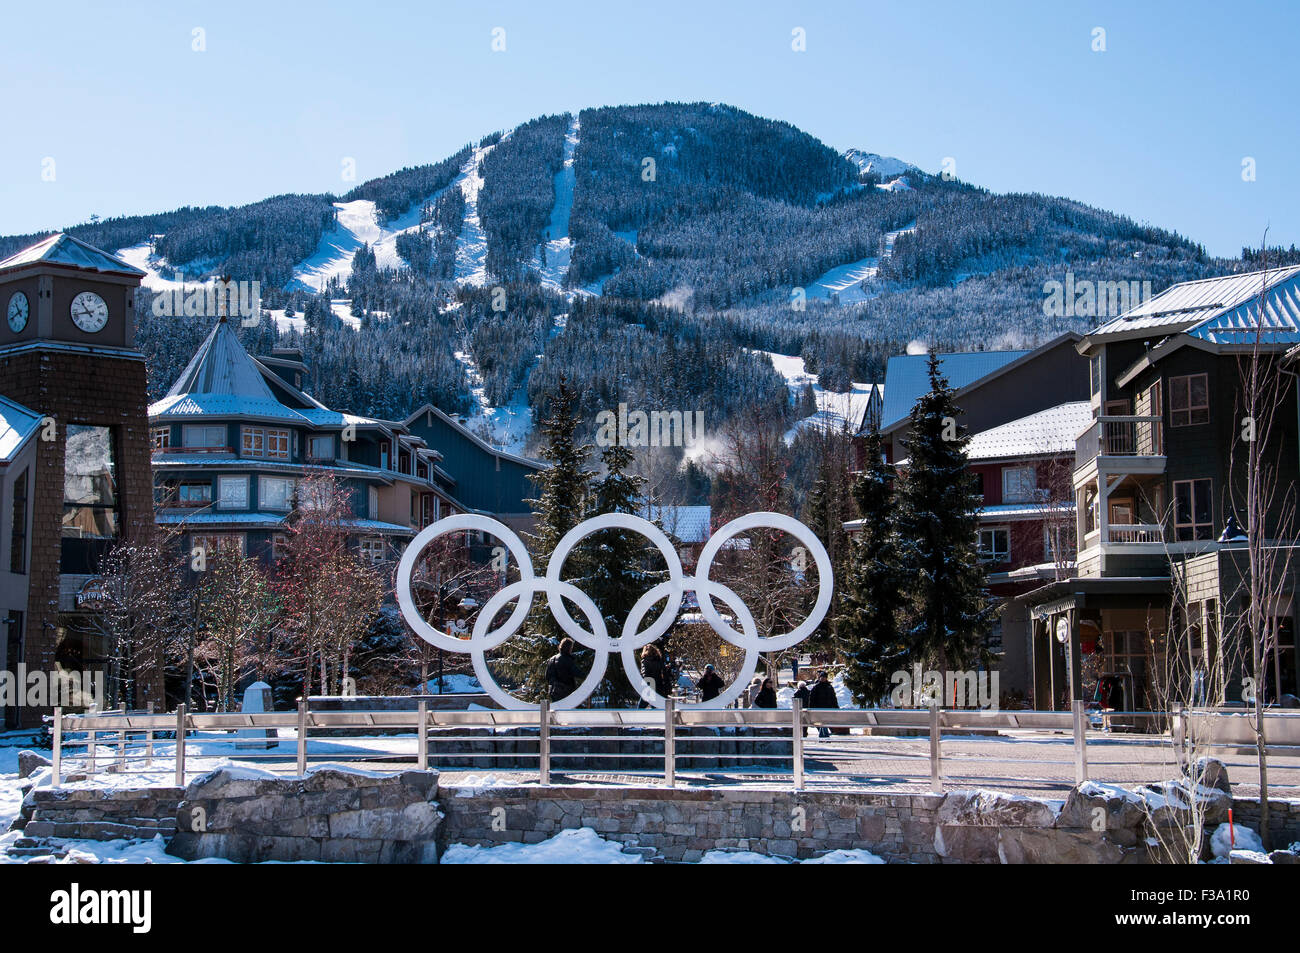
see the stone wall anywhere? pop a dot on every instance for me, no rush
(329, 815)
(681, 824)
(1283, 818)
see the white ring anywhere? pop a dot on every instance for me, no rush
(452, 524)
(786, 524)
(615, 521)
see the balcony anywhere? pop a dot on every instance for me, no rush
(1121, 437)
(1119, 445)
(1135, 533)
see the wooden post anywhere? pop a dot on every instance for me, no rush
(670, 744)
(148, 740)
(796, 751)
(302, 737)
(422, 742)
(180, 746)
(1081, 743)
(90, 751)
(936, 770)
(544, 743)
(57, 772)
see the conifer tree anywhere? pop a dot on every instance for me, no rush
(872, 598)
(949, 611)
(618, 562)
(559, 506)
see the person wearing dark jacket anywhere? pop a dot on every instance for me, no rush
(562, 671)
(652, 670)
(766, 697)
(710, 684)
(802, 694)
(822, 695)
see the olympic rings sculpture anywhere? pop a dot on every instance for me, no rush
(598, 639)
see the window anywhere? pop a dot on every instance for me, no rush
(203, 437)
(373, 550)
(275, 493)
(1019, 484)
(232, 492)
(89, 484)
(194, 494)
(995, 545)
(1189, 400)
(1193, 510)
(214, 543)
(18, 531)
(372, 500)
(321, 447)
(1058, 543)
(265, 442)
(1094, 374)
(279, 547)
(161, 437)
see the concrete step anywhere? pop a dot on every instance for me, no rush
(97, 830)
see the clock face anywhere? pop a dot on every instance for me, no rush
(18, 311)
(89, 312)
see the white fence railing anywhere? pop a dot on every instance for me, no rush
(655, 741)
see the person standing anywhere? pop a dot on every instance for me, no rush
(710, 685)
(822, 695)
(652, 670)
(766, 697)
(562, 671)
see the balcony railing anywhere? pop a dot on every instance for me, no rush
(1121, 437)
(1135, 533)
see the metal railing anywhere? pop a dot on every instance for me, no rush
(1135, 533)
(644, 742)
(133, 742)
(1111, 436)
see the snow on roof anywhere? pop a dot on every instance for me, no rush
(1239, 325)
(63, 249)
(17, 424)
(221, 366)
(1049, 431)
(221, 405)
(270, 519)
(1024, 510)
(1190, 303)
(690, 524)
(907, 377)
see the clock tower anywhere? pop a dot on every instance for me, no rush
(68, 356)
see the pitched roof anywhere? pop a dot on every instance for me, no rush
(17, 424)
(63, 249)
(222, 367)
(907, 377)
(690, 524)
(1049, 431)
(1189, 304)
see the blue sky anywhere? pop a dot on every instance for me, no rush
(1156, 127)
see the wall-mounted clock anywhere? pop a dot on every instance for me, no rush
(89, 312)
(18, 311)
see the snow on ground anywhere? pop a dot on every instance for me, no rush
(358, 225)
(159, 274)
(1222, 840)
(833, 409)
(505, 427)
(846, 281)
(883, 166)
(471, 246)
(454, 684)
(580, 846)
(554, 267)
(856, 856)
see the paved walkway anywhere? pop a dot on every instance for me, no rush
(1031, 763)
